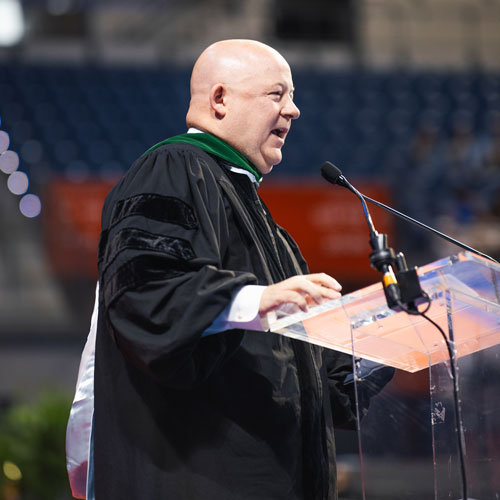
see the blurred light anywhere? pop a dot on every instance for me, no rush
(18, 182)
(11, 22)
(4, 141)
(12, 471)
(9, 161)
(30, 205)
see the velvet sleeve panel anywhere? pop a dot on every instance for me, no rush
(163, 266)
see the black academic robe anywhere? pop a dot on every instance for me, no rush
(236, 415)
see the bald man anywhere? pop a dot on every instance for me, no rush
(193, 398)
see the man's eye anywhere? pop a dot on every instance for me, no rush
(278, 93)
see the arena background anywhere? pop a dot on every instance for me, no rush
(403, 96)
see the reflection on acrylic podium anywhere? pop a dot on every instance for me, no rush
(408, 438)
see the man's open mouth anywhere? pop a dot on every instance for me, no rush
(280, 132)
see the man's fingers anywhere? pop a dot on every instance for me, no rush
(298, 299)
(318, 287)
(317, 292)
(301, 291)
(324, 280)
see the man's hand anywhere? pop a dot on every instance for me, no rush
(302, 291)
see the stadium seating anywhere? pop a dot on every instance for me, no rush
(81, 121)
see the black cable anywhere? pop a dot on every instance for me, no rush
(458, 411)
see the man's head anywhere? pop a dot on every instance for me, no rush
(242, 92)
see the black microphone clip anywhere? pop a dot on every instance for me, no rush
(401, 285)
(383, 259)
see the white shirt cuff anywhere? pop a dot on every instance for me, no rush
(242, 312)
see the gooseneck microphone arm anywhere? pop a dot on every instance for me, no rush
(428, 228)
(334, 176)
(342, 181)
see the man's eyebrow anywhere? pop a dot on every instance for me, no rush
(284, 85)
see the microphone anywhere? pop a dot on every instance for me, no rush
(334, 175)
(382, 258)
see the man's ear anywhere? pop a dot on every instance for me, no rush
(217, 100)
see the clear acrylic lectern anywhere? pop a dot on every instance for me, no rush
(407, 440)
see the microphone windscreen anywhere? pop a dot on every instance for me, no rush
(330, 172)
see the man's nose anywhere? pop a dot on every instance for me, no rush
(291, 110)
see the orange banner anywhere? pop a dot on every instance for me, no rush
(329, 225)
(72, 225)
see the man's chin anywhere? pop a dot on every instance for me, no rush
(266, 163)
(274, 160)
(265, 169)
